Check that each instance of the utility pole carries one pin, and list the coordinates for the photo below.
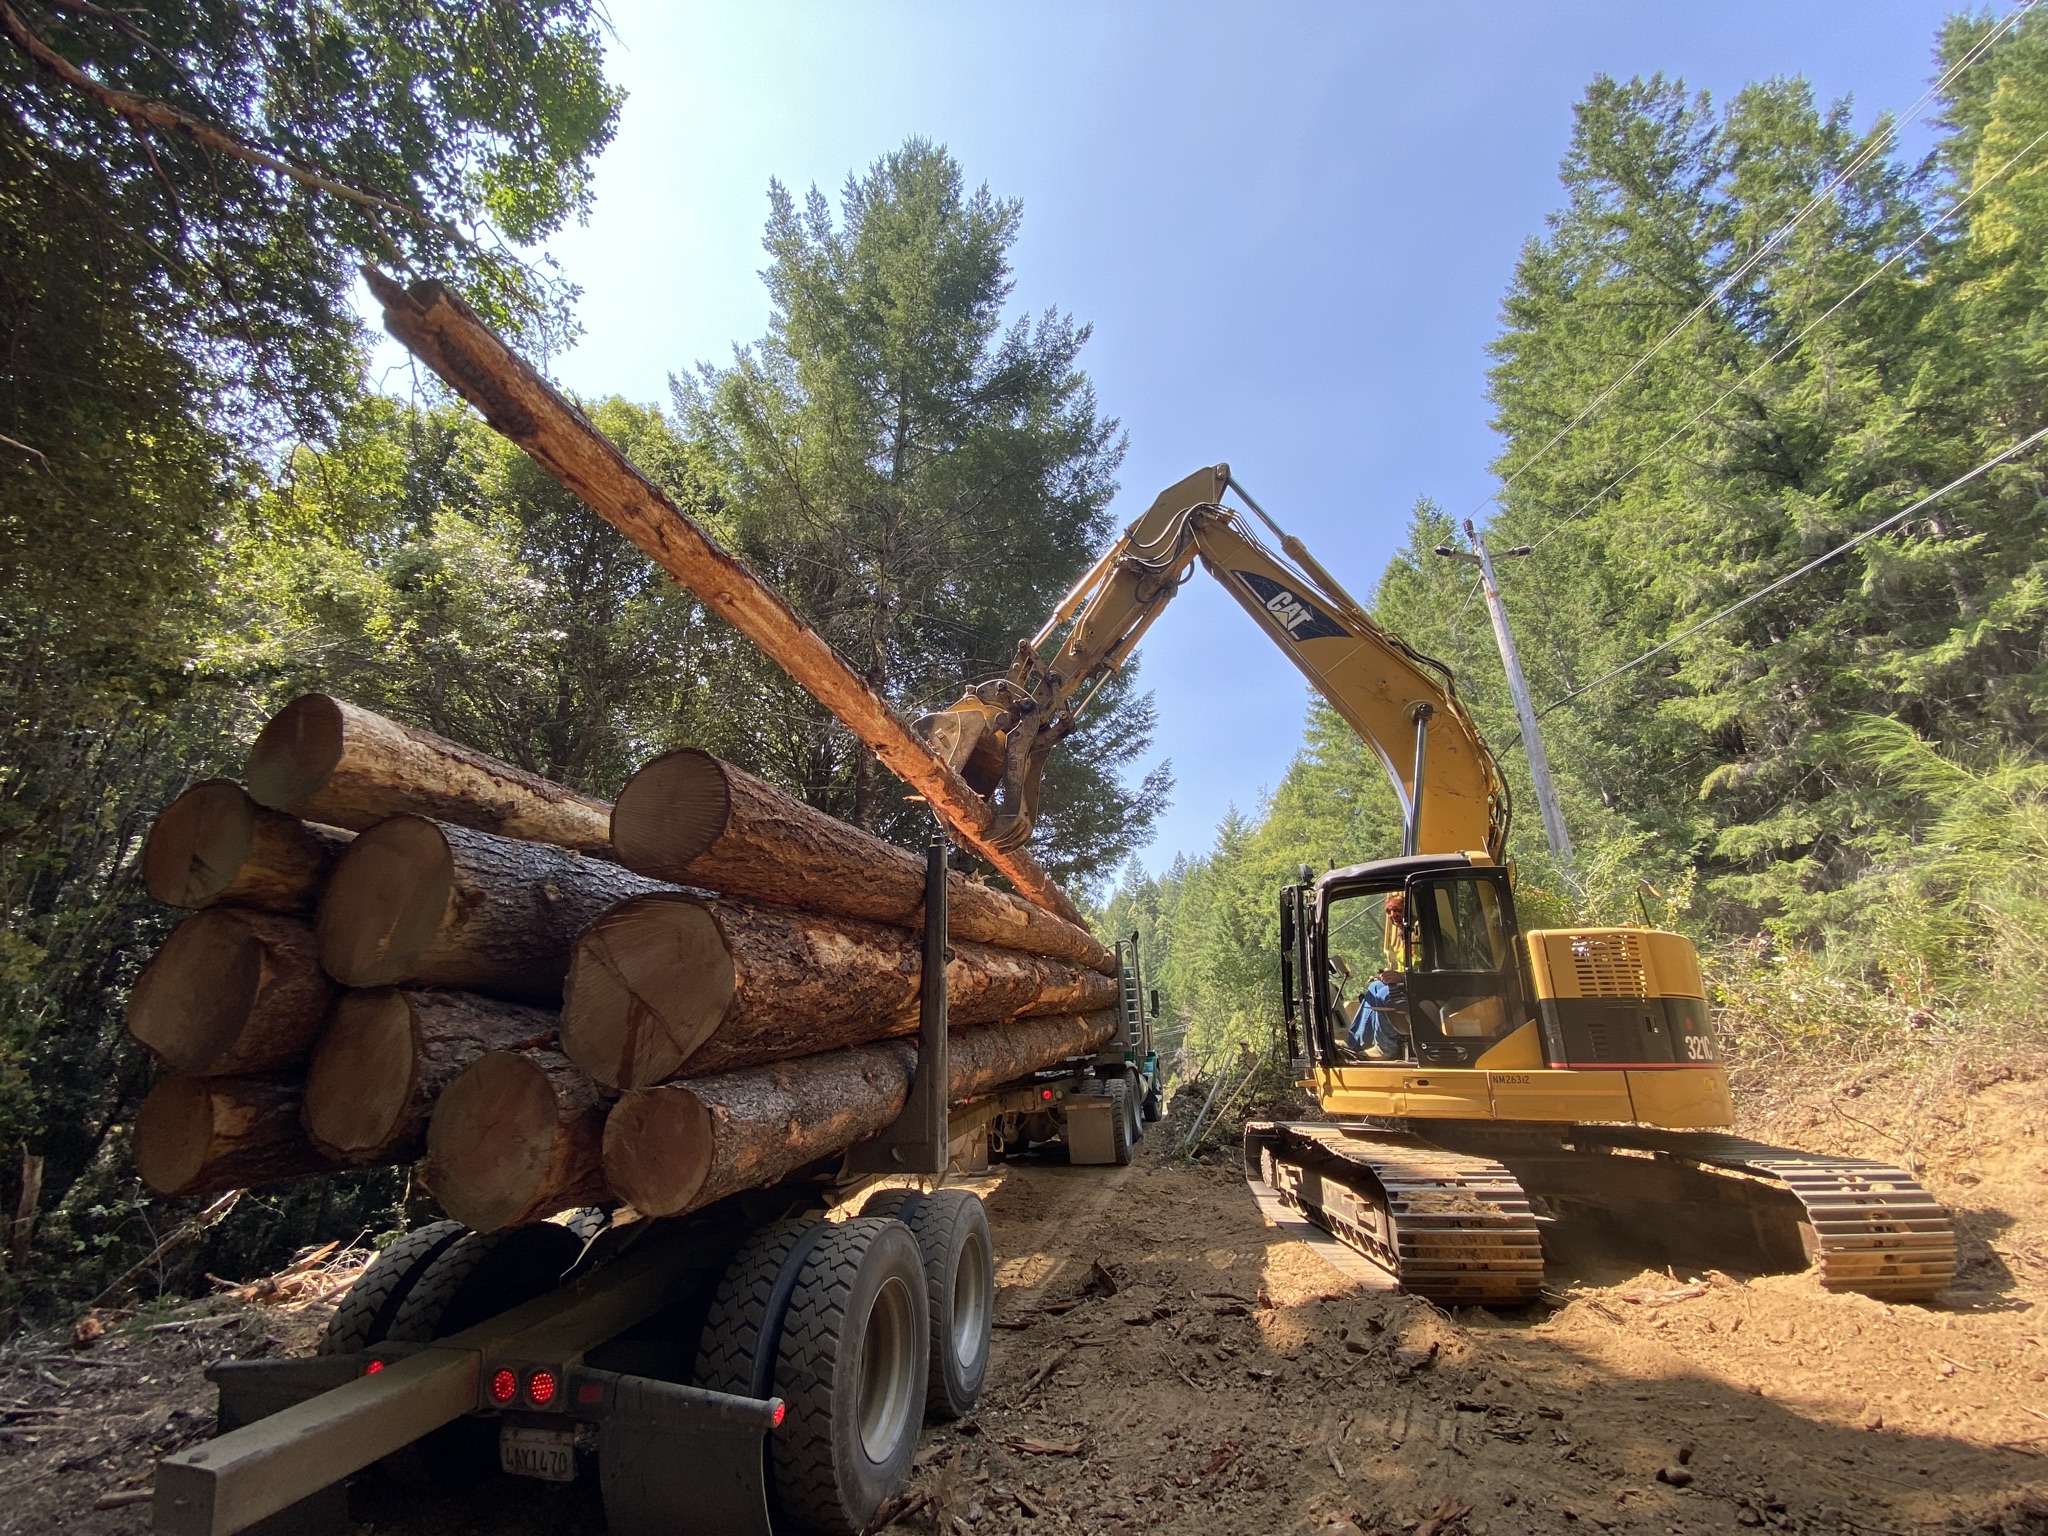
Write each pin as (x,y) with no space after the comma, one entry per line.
(1554,829)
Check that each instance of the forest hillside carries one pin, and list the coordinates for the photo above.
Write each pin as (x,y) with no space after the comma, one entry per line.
(1838,791)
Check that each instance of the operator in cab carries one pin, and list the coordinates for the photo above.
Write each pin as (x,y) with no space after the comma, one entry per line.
(1378,1030)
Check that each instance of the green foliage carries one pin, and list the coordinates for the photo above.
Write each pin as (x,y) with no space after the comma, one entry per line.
(920,481)
(1838,791)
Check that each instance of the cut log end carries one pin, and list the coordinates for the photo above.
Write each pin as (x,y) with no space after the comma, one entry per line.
(386,903)
(297,752)
(231,991)
(515,1138)
(363,1076)
(195,1136)
(648,983)
(199,844)
(670,813)
(658,1150)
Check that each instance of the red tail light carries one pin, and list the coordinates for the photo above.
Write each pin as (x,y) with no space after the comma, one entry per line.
(540,1388)
(504,1387)
(1045,1093)
(781,1412)
(373,1367)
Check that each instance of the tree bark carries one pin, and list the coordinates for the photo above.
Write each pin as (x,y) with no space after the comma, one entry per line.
(449,338)
(215,844)
(232,991)
(199,1135)
(682,983)
(683,1145)
(688,817)
(516,1137)
(387,1055)
(333,762)
(423,902)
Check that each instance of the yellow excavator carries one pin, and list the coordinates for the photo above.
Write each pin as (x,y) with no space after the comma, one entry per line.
(1490,1091)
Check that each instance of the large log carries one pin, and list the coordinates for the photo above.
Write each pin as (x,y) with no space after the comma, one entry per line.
(683,1145)
(449,338)
(688,817)
(677,982)
(216,844)
(232,991)
(385,1057)
(433,904)
(198,1135)
(518,1136)
(328,761)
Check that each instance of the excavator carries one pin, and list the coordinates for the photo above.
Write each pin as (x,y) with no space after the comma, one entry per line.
(1490,1092)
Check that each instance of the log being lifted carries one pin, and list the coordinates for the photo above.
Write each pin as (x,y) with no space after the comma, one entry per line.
(385,1057)
(690,818)
(200,1135)
(333,762)
(683,1145)
(216,844)
(232,991)
(432,904)
(677,982)
(518,1136)
(449,338)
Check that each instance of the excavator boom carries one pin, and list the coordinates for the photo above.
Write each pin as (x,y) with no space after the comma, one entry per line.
(1401,704)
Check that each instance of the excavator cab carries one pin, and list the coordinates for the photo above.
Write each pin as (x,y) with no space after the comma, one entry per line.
(1403,960)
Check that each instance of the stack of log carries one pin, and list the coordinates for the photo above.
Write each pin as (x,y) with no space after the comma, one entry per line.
(404,948)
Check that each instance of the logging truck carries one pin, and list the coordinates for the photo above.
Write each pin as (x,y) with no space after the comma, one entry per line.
(750,1366)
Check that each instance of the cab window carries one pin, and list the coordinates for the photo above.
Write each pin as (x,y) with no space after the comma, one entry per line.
(1462,926)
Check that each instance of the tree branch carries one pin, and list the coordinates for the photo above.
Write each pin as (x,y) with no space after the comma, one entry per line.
(148,112)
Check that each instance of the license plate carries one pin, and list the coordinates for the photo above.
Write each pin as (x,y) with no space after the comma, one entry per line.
(548,1454)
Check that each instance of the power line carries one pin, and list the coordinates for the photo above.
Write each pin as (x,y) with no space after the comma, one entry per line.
(1900,255)
(1861,158)
(1812,565)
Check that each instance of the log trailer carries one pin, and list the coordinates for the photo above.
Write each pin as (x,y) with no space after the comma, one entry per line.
(1499,1081)
(750,1367)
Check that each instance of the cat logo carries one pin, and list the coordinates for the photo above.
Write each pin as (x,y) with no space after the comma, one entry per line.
(1300,618)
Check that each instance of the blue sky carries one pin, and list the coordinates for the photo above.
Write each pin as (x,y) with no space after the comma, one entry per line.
(1291,227)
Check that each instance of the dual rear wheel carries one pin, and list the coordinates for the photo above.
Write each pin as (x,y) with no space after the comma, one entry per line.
(861,1327)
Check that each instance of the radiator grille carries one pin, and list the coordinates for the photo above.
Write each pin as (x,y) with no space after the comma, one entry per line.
(1609,965)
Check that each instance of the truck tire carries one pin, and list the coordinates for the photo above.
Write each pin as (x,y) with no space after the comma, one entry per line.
(745,1309)
(852,1366)
(1120,1119)
(480,1275)
(887,1204)
(366,1312)
(1134,1101)
(951,1228)
(476,1277)
(1154,1107)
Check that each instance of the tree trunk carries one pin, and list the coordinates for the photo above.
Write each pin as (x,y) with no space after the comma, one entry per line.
(387,1055)
(231,992)
(683,1145)
(679,983)
(329,761)
(449,338)
(518,1136)
(688,817)
(423,902)
(215,844)
(199,1135)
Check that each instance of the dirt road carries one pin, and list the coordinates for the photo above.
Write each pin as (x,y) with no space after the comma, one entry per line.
(1217,1375)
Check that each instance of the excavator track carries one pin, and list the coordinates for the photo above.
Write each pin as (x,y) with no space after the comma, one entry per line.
(1702,1197)
(1447,1225)
(1866,1227)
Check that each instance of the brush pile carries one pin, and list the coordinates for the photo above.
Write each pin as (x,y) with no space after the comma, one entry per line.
(403,948)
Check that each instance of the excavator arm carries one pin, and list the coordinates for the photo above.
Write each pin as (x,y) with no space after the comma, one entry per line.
(1402,704)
